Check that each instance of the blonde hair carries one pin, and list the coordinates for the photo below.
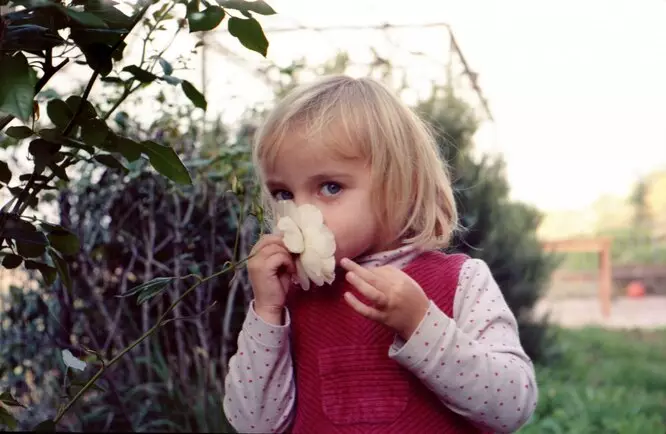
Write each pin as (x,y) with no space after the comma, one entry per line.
(361,118)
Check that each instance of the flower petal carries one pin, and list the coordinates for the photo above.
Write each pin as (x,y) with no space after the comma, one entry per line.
(287,208)
(312,265)
(302,275)
(291,235)
(310,216)
(321,240)
(72,362)
(328,269)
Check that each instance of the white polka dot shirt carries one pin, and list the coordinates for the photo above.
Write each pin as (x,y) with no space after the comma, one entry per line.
(473,362)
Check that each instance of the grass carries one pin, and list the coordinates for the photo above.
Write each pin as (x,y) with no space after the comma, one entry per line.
(603,381)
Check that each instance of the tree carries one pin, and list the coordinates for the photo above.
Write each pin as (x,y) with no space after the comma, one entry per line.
(495,229)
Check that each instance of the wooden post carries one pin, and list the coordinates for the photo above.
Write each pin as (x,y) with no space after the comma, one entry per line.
(605,279)
(602,246)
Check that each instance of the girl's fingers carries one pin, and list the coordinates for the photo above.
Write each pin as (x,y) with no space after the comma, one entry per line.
(267,240)
(374,295)
(280,258)
(363,273)
(362,308)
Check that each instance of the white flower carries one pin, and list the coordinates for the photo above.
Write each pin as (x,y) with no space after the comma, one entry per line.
(305,234)
(72,362)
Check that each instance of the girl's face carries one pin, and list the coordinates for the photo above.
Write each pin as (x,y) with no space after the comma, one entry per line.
(341,189)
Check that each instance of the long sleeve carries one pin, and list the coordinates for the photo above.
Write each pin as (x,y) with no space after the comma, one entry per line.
(474,362)
(260,391)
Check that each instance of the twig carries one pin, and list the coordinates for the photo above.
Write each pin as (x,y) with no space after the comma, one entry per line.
(150,332)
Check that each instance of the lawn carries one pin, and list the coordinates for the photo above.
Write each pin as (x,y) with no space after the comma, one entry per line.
(603,381)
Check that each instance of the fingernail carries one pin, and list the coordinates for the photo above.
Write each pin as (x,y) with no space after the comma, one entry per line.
(344,261)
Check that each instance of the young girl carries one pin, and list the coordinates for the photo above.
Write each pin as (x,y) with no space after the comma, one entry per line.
(405,338)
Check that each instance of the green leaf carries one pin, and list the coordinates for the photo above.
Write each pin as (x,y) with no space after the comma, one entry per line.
(98,57)
(149,289)
(19,132)
(46,426)
(59,171)
(49,273)
(29,243)
(94,132)
(194,95)
(43,151)
(17,86)
(87,111)
(249,33)
(129,149)
(32,200)
(12,261)
(61,267)
(115,80)
(86,18)
(59,112)
(5,173)
(258,6)
(205,20)
(140,74)
(165,160)
(64,241)
(166,67)
(110,161)
(7,399)
(174,81)
(111,15)
(7,419)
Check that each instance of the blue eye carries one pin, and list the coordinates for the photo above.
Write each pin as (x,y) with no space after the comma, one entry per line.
(331,188)
(282,195)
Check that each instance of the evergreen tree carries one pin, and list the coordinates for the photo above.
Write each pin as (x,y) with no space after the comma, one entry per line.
(495,229)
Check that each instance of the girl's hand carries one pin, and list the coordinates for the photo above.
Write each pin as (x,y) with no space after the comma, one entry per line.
(397,301)
(270,269)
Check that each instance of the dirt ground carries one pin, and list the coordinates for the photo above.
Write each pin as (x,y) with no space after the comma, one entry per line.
(647,312)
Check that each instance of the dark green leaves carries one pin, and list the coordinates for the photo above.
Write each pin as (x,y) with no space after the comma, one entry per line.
(7,399)
(129,149)
(17,86)
(6,419)
(64,241)
(249,33)
(5,173)
(29,243)
(48,273)
(194,95)
(140,74)
(59,112)
(150,289)
(166,162)
(11,261)
(208,19)
(85,18)
(45,426)
(110,161)
(94,132)
(19,133)
(43,151)
(61,267)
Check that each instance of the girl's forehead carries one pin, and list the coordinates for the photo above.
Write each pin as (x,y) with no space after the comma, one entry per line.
(299,151)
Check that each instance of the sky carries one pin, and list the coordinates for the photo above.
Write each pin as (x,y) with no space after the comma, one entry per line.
(577,88)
